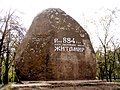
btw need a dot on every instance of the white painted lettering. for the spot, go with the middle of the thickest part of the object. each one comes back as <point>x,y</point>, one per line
<point>57,48</point>
<point>68,44</point>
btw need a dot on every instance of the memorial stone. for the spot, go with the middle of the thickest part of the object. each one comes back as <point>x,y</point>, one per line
<point>55,47</point>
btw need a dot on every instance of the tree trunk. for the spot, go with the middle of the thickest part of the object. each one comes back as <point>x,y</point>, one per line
<point>110,74</point>
<point>114,76</point>
<point>101,73</point>
<point>106,70</point>
<point>5,77</point>
<point>0,72</point>
<point>1,58</point>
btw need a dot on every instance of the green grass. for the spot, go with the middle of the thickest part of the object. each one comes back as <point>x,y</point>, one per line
<point>117,80</point>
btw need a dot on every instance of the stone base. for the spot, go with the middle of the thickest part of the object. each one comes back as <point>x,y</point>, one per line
<point>66,85</point>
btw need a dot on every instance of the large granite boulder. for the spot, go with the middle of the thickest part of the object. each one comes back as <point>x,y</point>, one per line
<point>55,47</point>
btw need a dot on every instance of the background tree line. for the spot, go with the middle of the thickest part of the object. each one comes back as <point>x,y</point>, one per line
<point>11,34</point>
<point>108,64</point>
<point>108,53</point>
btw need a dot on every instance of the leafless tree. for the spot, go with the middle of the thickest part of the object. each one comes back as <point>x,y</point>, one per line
<point>105,39</point>
<point>11,34</point>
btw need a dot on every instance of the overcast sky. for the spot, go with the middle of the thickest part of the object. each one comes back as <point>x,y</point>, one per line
<point>80,10</point>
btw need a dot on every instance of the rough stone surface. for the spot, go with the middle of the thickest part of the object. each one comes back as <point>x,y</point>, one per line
<point>55,47</point>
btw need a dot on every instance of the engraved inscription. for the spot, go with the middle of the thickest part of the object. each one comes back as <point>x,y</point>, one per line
<point>68,44</point>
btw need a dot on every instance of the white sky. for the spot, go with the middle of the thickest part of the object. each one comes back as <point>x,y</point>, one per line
<point>80,10</point>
